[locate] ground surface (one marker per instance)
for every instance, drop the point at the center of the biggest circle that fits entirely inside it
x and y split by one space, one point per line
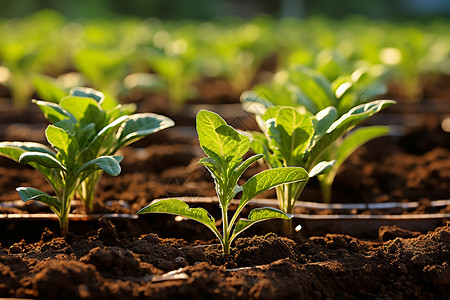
107 265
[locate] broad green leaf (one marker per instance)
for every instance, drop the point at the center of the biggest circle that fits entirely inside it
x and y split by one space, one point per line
53 112
121 110
258 215
213 167
48 88
323 120
40 158
28 193
139 125
260 145
219 140
58 138
264 96
87 93
93 148
85 110
85 135
291 134
108 164
13 150
345 123
178 207
268 179
357 138
303 99
253 103
321 168
314 85
66 124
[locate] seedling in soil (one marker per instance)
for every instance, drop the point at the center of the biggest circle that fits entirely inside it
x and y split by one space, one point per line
225 147
108 130
296 133
64 169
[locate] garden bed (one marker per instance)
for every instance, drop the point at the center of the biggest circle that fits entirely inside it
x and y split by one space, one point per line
113 264
156 256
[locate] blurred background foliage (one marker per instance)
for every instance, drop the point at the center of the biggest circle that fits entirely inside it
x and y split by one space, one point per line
210 9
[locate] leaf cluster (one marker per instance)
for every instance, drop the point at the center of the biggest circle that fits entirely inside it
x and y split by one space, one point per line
303 122
225 147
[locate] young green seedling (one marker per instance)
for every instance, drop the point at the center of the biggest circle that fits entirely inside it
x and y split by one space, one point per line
64 169
106 131
225 148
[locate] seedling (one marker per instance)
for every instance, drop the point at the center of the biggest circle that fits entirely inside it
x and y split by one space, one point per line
64 169
303 124
108 130
225 147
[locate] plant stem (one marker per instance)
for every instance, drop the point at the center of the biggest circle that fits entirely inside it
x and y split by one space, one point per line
66 198
226 233
287 228
87 193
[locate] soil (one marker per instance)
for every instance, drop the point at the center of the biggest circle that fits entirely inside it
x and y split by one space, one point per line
157 257
109 264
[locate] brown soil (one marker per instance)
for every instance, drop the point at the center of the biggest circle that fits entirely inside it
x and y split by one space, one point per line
108 264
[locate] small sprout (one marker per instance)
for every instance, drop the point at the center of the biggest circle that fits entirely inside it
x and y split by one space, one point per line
225 147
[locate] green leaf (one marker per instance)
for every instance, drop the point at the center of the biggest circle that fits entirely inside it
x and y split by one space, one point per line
323 120
321 168
93 148
357 138
58 138
212 165
254 104
260 145
314 85
13 150
352 118
48 88
85 135
108 164
85 110
178 207
244 165
28 193
139 125
258 215
219 140
291 133
43 159
54 112
268 179
87 93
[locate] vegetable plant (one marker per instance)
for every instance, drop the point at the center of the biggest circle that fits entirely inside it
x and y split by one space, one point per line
303 124
107 129
65 169
225 147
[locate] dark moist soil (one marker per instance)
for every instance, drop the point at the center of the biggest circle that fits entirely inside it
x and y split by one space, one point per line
108 264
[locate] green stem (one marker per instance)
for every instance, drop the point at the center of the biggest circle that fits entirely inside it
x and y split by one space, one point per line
66 199
226 234
87 193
